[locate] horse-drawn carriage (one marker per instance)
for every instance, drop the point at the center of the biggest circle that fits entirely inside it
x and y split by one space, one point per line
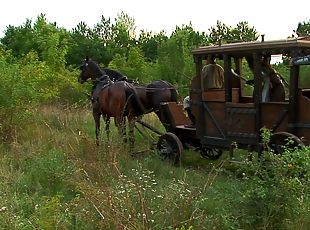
228 116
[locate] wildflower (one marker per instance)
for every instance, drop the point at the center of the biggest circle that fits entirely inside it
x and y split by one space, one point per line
3 209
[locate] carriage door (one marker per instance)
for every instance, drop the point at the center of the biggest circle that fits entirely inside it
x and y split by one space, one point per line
240 110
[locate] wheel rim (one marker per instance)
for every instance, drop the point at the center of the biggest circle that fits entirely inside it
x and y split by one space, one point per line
170 148
282 140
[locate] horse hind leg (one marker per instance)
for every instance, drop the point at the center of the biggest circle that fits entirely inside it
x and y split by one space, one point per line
121 127
131 123
107 127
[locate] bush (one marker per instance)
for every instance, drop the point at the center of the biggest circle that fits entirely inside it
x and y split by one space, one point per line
28 82
277 191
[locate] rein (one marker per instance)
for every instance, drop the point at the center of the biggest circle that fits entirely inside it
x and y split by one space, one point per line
153 88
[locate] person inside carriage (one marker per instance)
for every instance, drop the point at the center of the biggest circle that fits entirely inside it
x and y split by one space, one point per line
273 87
187 109
212 76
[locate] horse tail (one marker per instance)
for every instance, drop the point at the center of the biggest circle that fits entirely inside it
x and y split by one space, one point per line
173 91
133 97
174 94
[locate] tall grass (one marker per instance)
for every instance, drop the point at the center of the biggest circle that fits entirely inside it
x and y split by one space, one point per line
53 176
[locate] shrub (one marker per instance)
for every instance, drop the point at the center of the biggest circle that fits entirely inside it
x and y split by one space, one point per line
277 190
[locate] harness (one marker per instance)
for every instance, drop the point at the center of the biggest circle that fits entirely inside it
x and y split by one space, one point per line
99 84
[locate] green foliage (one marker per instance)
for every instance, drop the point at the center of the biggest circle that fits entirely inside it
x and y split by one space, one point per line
304 80
51 43
149 44
17 91
134 67
303 28
27 82
48 41
50 214
84 41
58 178
175 62
53 176
277 188
222 33
46 174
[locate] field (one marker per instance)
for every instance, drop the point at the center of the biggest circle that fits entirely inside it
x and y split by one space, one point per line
53 176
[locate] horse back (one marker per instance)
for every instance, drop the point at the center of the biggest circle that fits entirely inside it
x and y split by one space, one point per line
161 91
112 100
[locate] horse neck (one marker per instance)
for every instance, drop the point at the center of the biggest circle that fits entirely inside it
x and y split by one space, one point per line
97 72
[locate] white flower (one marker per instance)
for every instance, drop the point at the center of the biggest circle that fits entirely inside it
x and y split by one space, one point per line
3 209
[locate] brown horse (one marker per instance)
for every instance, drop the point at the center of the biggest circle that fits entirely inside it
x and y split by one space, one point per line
111 99
154 93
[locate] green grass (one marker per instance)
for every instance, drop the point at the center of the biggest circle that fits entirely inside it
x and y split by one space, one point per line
53 176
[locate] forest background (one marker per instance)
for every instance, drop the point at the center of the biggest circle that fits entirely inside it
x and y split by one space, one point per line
51 173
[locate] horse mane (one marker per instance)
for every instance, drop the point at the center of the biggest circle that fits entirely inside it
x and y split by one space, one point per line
114 75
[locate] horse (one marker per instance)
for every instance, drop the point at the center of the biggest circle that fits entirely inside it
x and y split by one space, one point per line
154 93
111 99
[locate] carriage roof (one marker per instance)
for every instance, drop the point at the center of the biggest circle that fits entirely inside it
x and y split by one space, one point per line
268 47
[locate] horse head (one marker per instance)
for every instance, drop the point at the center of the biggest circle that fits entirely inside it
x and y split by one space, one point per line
90 70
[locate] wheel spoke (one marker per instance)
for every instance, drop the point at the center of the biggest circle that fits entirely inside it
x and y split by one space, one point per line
211 153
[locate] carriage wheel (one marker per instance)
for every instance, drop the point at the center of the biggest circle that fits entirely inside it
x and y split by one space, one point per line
211 153
281 140
170 148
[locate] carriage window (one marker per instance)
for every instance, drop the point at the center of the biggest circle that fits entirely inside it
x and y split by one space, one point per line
248 75
304 77
274 79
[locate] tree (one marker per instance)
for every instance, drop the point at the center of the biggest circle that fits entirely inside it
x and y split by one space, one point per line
19 39
149 44
83 41
194 38
303 28
123 34
221 33
50 42
243 32
175 62
44 38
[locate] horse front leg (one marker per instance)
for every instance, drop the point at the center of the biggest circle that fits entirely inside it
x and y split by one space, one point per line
97 125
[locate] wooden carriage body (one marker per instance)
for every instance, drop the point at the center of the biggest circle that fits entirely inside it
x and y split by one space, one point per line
226 116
